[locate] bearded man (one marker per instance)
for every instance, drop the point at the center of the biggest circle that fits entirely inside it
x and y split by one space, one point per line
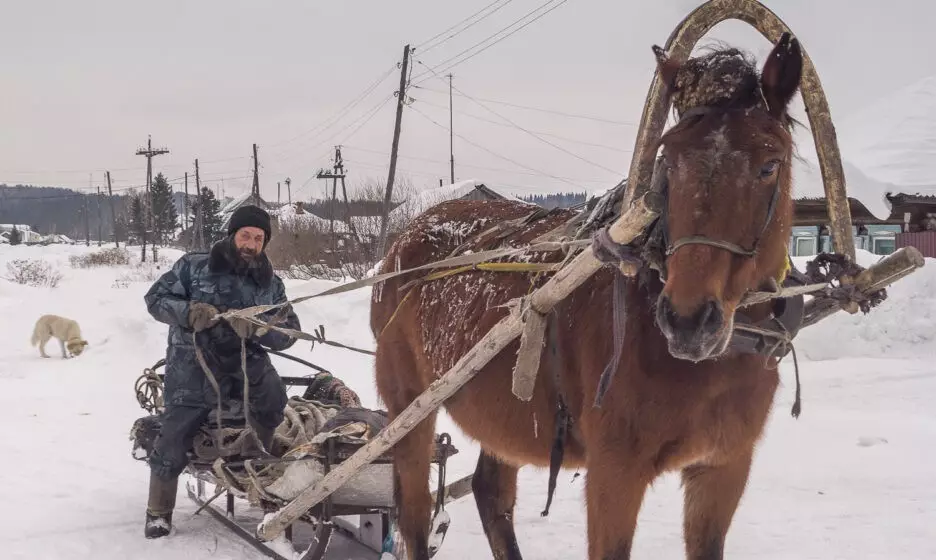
234 274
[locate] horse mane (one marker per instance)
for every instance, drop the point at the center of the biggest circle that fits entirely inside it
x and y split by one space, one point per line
725 78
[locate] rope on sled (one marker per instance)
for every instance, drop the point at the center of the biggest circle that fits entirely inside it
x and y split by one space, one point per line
299 434
149 390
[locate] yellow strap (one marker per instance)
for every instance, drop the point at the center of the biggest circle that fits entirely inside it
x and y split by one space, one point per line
787 267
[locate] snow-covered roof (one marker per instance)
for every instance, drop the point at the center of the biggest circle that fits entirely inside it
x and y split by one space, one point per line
234 203
287 215
425 199
887 147
894 138
20 227
807 183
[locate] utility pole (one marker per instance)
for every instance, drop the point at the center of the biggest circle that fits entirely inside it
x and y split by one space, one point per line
87 228
100 221
185 221
198 236
150 153
338 173
451 130
401 99
255 191
277 192
288 190
110 197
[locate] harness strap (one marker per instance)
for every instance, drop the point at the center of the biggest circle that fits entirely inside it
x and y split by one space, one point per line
618 323
702 240
563 419
214 385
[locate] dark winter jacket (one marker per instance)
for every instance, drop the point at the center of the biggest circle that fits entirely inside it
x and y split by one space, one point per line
220 279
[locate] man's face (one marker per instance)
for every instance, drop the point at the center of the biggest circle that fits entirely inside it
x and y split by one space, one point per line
249 242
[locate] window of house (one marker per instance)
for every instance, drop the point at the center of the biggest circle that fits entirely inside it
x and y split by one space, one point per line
804 246
884 245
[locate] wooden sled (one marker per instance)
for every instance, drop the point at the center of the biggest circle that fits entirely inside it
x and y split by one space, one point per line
329 525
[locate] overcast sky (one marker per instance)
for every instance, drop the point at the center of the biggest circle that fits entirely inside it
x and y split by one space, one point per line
83 83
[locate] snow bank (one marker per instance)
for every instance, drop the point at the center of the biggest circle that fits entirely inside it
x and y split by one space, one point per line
901 327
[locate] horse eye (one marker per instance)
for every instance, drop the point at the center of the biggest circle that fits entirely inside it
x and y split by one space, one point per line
769 169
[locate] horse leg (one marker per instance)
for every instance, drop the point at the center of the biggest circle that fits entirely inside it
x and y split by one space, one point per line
614 495
495 490
398 385
411 459
712 494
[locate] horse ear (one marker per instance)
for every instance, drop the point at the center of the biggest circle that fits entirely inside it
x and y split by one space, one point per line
667 67
781 75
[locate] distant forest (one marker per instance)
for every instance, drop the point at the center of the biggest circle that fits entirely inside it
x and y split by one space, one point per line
57 210
558 200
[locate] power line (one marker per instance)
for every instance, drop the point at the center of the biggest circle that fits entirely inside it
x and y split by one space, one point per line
422 46
337 116
495 154
486 47
439 161
367 120
496 123
366 116
406 171
540 109
533 134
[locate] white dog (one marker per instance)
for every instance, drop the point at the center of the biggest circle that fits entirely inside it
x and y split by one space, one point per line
65 330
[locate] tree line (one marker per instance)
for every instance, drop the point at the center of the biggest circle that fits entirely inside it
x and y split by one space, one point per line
54 210
556 200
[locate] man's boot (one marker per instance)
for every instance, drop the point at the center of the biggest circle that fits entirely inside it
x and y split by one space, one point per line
162 498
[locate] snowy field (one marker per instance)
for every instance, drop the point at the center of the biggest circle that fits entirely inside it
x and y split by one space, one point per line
854 477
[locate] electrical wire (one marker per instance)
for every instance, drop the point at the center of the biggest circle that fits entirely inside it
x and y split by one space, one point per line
442 162
540 109
423 48
533 134
465 59
495 154
496 123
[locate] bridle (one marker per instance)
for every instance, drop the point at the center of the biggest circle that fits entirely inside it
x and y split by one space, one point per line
786 313
659 238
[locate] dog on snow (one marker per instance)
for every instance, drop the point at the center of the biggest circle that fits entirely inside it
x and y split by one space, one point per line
65 330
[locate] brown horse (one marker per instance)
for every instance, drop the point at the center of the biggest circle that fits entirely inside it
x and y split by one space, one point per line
681 397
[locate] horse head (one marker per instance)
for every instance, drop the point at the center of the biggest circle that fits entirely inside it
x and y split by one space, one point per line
729 208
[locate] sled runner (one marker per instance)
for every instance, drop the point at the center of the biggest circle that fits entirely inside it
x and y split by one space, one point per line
323 426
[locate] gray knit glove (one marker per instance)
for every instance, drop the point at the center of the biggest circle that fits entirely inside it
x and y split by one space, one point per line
201 316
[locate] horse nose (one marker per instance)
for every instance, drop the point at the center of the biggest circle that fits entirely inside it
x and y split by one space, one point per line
707 319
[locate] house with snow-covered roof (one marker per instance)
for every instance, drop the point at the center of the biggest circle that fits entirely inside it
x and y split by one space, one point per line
469 189
249 198
27 235
889 158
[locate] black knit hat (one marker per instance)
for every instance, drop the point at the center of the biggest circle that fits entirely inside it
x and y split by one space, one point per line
250 216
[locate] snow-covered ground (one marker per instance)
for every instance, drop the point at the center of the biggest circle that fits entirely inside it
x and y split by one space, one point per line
854 477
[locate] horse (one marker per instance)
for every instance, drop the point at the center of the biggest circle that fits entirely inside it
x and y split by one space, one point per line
681 399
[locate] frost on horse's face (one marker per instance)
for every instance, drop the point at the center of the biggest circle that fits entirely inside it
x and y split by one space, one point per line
729 208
